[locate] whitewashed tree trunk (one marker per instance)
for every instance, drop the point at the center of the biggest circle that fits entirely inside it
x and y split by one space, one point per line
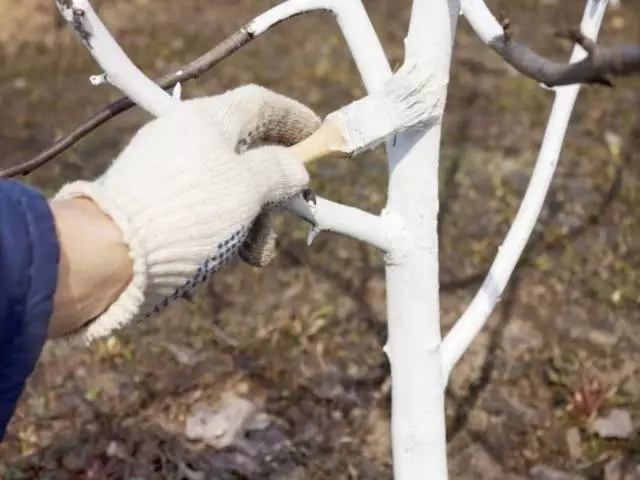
406 230
418 428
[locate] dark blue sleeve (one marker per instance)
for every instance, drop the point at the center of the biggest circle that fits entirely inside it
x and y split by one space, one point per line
29 255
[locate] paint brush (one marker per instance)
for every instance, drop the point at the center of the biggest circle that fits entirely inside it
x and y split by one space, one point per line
405 101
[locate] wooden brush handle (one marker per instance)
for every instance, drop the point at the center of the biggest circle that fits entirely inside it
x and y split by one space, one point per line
327 141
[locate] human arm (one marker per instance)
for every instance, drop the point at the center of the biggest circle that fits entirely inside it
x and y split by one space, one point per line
94 267
29 255
177 204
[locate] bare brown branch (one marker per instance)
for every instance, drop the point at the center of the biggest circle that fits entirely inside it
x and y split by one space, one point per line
192 70
594 69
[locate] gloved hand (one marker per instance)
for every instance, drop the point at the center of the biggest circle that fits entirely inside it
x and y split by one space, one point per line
189 187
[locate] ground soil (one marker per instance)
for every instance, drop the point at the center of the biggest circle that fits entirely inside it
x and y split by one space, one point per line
302 337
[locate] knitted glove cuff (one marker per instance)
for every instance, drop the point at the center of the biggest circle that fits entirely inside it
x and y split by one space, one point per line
131 299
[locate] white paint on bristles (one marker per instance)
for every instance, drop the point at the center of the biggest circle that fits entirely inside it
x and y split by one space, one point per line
408 100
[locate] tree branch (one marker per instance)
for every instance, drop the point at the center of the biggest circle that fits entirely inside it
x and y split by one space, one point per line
192 70
594 69
600 62
509 253
361 39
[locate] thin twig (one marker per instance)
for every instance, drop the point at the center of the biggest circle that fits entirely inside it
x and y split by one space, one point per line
594 69
192 70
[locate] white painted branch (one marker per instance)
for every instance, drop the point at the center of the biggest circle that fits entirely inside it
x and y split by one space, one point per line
120 71
474 318
486 26
349 221
355 25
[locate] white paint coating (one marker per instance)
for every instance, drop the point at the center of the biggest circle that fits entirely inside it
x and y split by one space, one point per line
177 91
408 100
355 25
98 79
121 71
486 26
474 318
349 221
418 432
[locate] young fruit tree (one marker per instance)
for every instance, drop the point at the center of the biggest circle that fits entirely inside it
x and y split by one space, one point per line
404 110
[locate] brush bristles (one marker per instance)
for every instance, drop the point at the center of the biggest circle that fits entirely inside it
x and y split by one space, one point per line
407 96
407 100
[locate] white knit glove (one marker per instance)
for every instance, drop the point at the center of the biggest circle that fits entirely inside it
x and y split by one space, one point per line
188 188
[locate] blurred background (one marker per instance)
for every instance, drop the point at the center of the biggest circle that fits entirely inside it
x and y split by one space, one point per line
287 360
